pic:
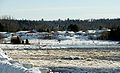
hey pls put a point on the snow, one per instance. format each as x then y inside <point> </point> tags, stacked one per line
<point>3,56</point>
<point>75,43</point>
<point>61,41</point>
<point>12,68</point>
<point>79,66</point>
<point>70,43</point>
<point>91,31</point>
<point>8,66</point>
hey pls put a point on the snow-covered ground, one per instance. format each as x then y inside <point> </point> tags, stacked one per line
<point>61,41</point>
<point>7,65</point>
<point>75,61</point>
<point>72,43</point>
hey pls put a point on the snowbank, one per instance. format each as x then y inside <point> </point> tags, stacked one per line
<point>3,56</point>
<point>7,65</point>
<point>9,68</point>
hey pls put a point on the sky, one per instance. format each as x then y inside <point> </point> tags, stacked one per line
<point>60,9</point>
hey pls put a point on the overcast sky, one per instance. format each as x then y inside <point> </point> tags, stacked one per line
<point>60,9</point>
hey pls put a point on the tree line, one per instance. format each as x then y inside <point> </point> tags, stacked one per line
<point>12,25</point>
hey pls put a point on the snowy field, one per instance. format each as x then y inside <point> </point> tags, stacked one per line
<point>55,44</point>
<point>71,55</point>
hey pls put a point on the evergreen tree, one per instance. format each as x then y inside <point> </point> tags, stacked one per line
<point>73,28</point>
<point>1,27</point>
